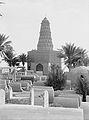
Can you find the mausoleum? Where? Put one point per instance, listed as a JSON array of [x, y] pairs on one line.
[[44, 56]]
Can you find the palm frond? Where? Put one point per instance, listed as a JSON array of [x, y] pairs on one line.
[[3, 38], [4, 55], [6, 43]]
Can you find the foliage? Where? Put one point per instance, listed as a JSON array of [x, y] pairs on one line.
[[23, 58], [82, 86], [79, 85], [29, 62], [56, 78], [1, 4], [86, 61], [30, 59], [4, 44], [72, 54], [11, 58]]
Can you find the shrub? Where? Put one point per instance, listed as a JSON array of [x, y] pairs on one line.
[[82, 86], [56, 79]]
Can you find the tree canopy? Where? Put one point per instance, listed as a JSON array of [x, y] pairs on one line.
[[72, 55]]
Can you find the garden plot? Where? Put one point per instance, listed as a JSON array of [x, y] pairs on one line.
[[64, 92], [39, 91], [27, 112], [20, 100], [13, 95], [66, 102], [74, 96], [21, 94], [38, 97], [16, 87], [25, 85], [16, 95]]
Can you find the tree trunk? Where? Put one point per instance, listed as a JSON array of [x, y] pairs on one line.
[[84, 98]]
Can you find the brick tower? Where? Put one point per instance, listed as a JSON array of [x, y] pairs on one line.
[[45, 40], [40, 59]]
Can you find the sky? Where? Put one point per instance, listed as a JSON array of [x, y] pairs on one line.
[[21, 21]]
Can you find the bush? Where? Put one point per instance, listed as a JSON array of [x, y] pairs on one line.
[[56, 79], [82, 87]]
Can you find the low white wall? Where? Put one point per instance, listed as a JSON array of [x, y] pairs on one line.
[[85, 107], [27, 112]]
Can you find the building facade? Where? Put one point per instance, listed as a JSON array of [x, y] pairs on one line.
[[44, 56]]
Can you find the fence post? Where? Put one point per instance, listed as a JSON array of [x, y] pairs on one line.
[[32, 96], [46, 99]]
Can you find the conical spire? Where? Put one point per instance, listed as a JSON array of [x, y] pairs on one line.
[[45, 40]]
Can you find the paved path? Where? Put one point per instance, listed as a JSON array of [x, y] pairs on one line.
[[27, 112]]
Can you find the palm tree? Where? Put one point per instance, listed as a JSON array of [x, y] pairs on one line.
[[29, 60], [72, 54], [23, 58], [86, 61], [67, 52], [3, 45], [1, 4], [11, 58], [81, 56]]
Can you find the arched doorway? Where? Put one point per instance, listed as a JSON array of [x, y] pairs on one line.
[[39, 67]]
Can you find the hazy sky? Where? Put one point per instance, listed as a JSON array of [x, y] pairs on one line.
[[69, 22]]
